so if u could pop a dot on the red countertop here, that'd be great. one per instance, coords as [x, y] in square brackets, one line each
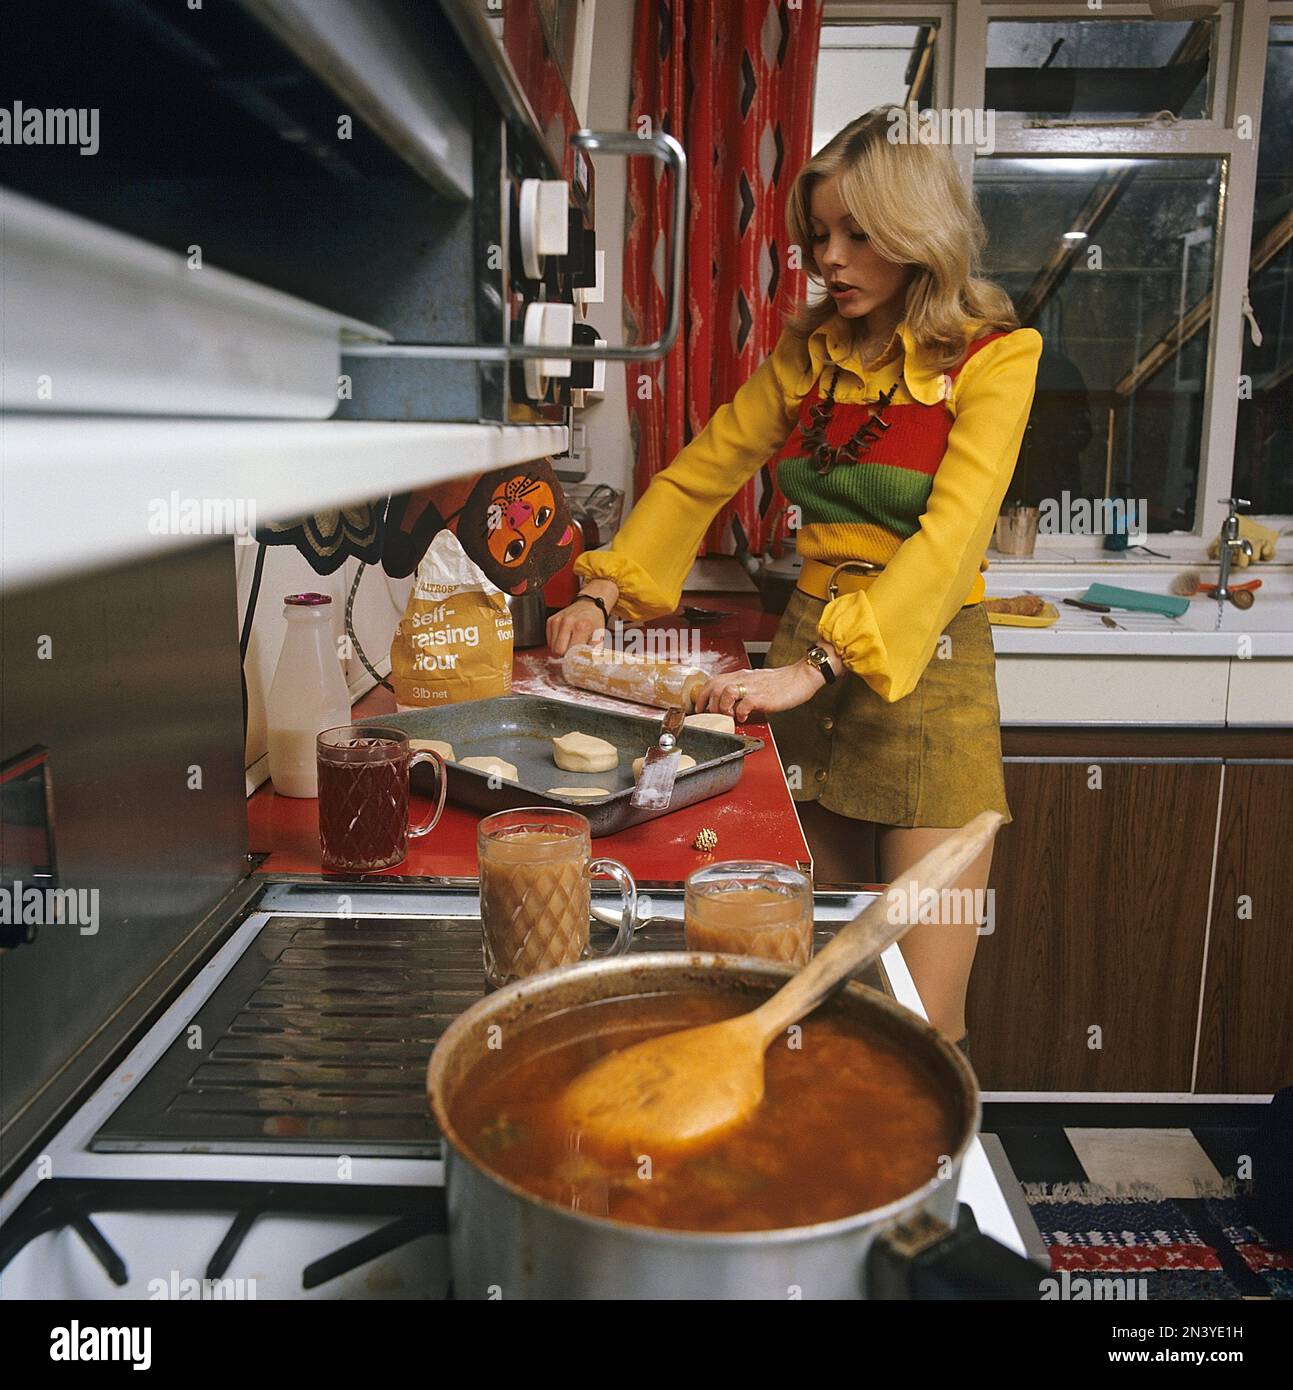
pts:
[755, 820]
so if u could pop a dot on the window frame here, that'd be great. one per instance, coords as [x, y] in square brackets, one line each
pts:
[843, 12]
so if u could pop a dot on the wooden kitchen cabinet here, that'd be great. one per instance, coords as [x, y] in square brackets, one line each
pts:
[1246, 1034]
[1090, 980]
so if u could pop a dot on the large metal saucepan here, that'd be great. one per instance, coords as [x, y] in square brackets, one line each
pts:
[505, 1242]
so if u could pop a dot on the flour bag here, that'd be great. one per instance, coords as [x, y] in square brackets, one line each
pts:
[454, 641]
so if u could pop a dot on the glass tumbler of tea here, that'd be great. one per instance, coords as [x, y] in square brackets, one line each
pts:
[536, 870]
[745, 907]
[364, 797]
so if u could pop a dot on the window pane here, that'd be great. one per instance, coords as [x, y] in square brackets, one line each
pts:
[1264, 442]
[1105, 68]
[861, 66]
[1111, 260]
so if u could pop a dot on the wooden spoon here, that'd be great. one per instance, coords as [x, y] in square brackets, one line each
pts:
[682, 1091]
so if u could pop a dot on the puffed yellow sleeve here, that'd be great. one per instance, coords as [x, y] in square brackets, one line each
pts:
[652, 552]
[887, 633]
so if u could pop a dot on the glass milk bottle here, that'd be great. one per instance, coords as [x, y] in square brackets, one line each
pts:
[308, 694]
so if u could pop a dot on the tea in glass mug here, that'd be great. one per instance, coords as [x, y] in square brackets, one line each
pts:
[536, 867]
[364, 797]
[750, 908]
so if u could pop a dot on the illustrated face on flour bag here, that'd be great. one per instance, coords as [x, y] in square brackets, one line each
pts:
[514, 523]
[454, 641]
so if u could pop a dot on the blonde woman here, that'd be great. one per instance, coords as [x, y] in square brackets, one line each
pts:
[894, 409]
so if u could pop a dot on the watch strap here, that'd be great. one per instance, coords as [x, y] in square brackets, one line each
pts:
[592, 598]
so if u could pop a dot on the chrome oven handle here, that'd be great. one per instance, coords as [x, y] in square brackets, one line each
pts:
[667, 151]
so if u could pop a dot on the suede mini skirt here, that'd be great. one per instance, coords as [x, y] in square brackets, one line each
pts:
[932, 758]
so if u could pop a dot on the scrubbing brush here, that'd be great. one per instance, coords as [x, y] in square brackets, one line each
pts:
[1189, 583]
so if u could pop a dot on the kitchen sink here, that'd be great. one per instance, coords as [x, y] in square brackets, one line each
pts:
[1206, 628]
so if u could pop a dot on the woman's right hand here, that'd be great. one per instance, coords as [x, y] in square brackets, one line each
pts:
[581, 621]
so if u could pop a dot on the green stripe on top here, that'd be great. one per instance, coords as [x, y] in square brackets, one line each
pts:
[874, 493]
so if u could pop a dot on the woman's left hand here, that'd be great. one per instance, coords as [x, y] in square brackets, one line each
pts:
[774, 688]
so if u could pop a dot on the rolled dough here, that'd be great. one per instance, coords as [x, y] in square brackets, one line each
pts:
[576, 752]
[436, 745]
[683, 763]
[720, 723]
[487, 765]
[578, 791]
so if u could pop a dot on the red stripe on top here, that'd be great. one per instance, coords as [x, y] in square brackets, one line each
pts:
[973, 348]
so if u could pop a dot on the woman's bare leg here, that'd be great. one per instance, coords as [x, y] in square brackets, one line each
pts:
[843, 849]
[938, 954]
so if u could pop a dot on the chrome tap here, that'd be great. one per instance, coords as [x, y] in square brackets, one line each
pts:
[1230, 542]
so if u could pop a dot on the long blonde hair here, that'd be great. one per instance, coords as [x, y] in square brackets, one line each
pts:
[910, 200]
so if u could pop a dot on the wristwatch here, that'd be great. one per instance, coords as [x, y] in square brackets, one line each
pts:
[819, 659]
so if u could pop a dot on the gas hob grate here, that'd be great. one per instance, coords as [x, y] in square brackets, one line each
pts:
[315, 1042]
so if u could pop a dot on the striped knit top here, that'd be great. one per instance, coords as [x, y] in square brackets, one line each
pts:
[921, 499]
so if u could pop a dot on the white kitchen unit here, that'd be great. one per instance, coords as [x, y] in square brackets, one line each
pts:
[1215, 665]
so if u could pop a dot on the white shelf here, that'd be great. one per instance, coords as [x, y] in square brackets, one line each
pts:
[98, 322]
[77, 492]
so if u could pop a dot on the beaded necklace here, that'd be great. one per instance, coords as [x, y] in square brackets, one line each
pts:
[825, 457]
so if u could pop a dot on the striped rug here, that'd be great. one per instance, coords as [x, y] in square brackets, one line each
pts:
[1139, 1244]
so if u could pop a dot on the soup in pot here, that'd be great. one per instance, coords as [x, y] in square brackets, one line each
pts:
[849, 1122]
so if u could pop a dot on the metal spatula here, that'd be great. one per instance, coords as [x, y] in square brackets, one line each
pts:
[654, 790]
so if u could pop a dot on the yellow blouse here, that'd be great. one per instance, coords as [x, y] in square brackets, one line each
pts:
[887, 632]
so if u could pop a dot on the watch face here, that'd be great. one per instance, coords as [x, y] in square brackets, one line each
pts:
[820, 661]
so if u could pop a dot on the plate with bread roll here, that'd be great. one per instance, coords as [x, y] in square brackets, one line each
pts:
[1021, 610]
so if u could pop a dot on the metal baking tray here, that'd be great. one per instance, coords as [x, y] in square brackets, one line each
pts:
[520, 728]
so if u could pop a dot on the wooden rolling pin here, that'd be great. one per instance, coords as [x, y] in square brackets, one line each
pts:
[648, 680]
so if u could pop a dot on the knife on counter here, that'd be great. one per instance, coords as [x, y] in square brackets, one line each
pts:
[654, 790]
[1082, 603]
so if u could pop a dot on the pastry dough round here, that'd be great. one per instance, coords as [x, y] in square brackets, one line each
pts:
[578, 791]
[436, 745]
[720, 723]
[684, 762]
[487, 765]
[576, 752]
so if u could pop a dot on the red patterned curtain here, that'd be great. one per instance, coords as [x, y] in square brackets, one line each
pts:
[732, 81]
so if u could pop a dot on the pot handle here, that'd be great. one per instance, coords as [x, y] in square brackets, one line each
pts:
[924, 1259]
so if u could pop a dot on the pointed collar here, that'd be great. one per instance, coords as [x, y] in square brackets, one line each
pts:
[924, 382]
